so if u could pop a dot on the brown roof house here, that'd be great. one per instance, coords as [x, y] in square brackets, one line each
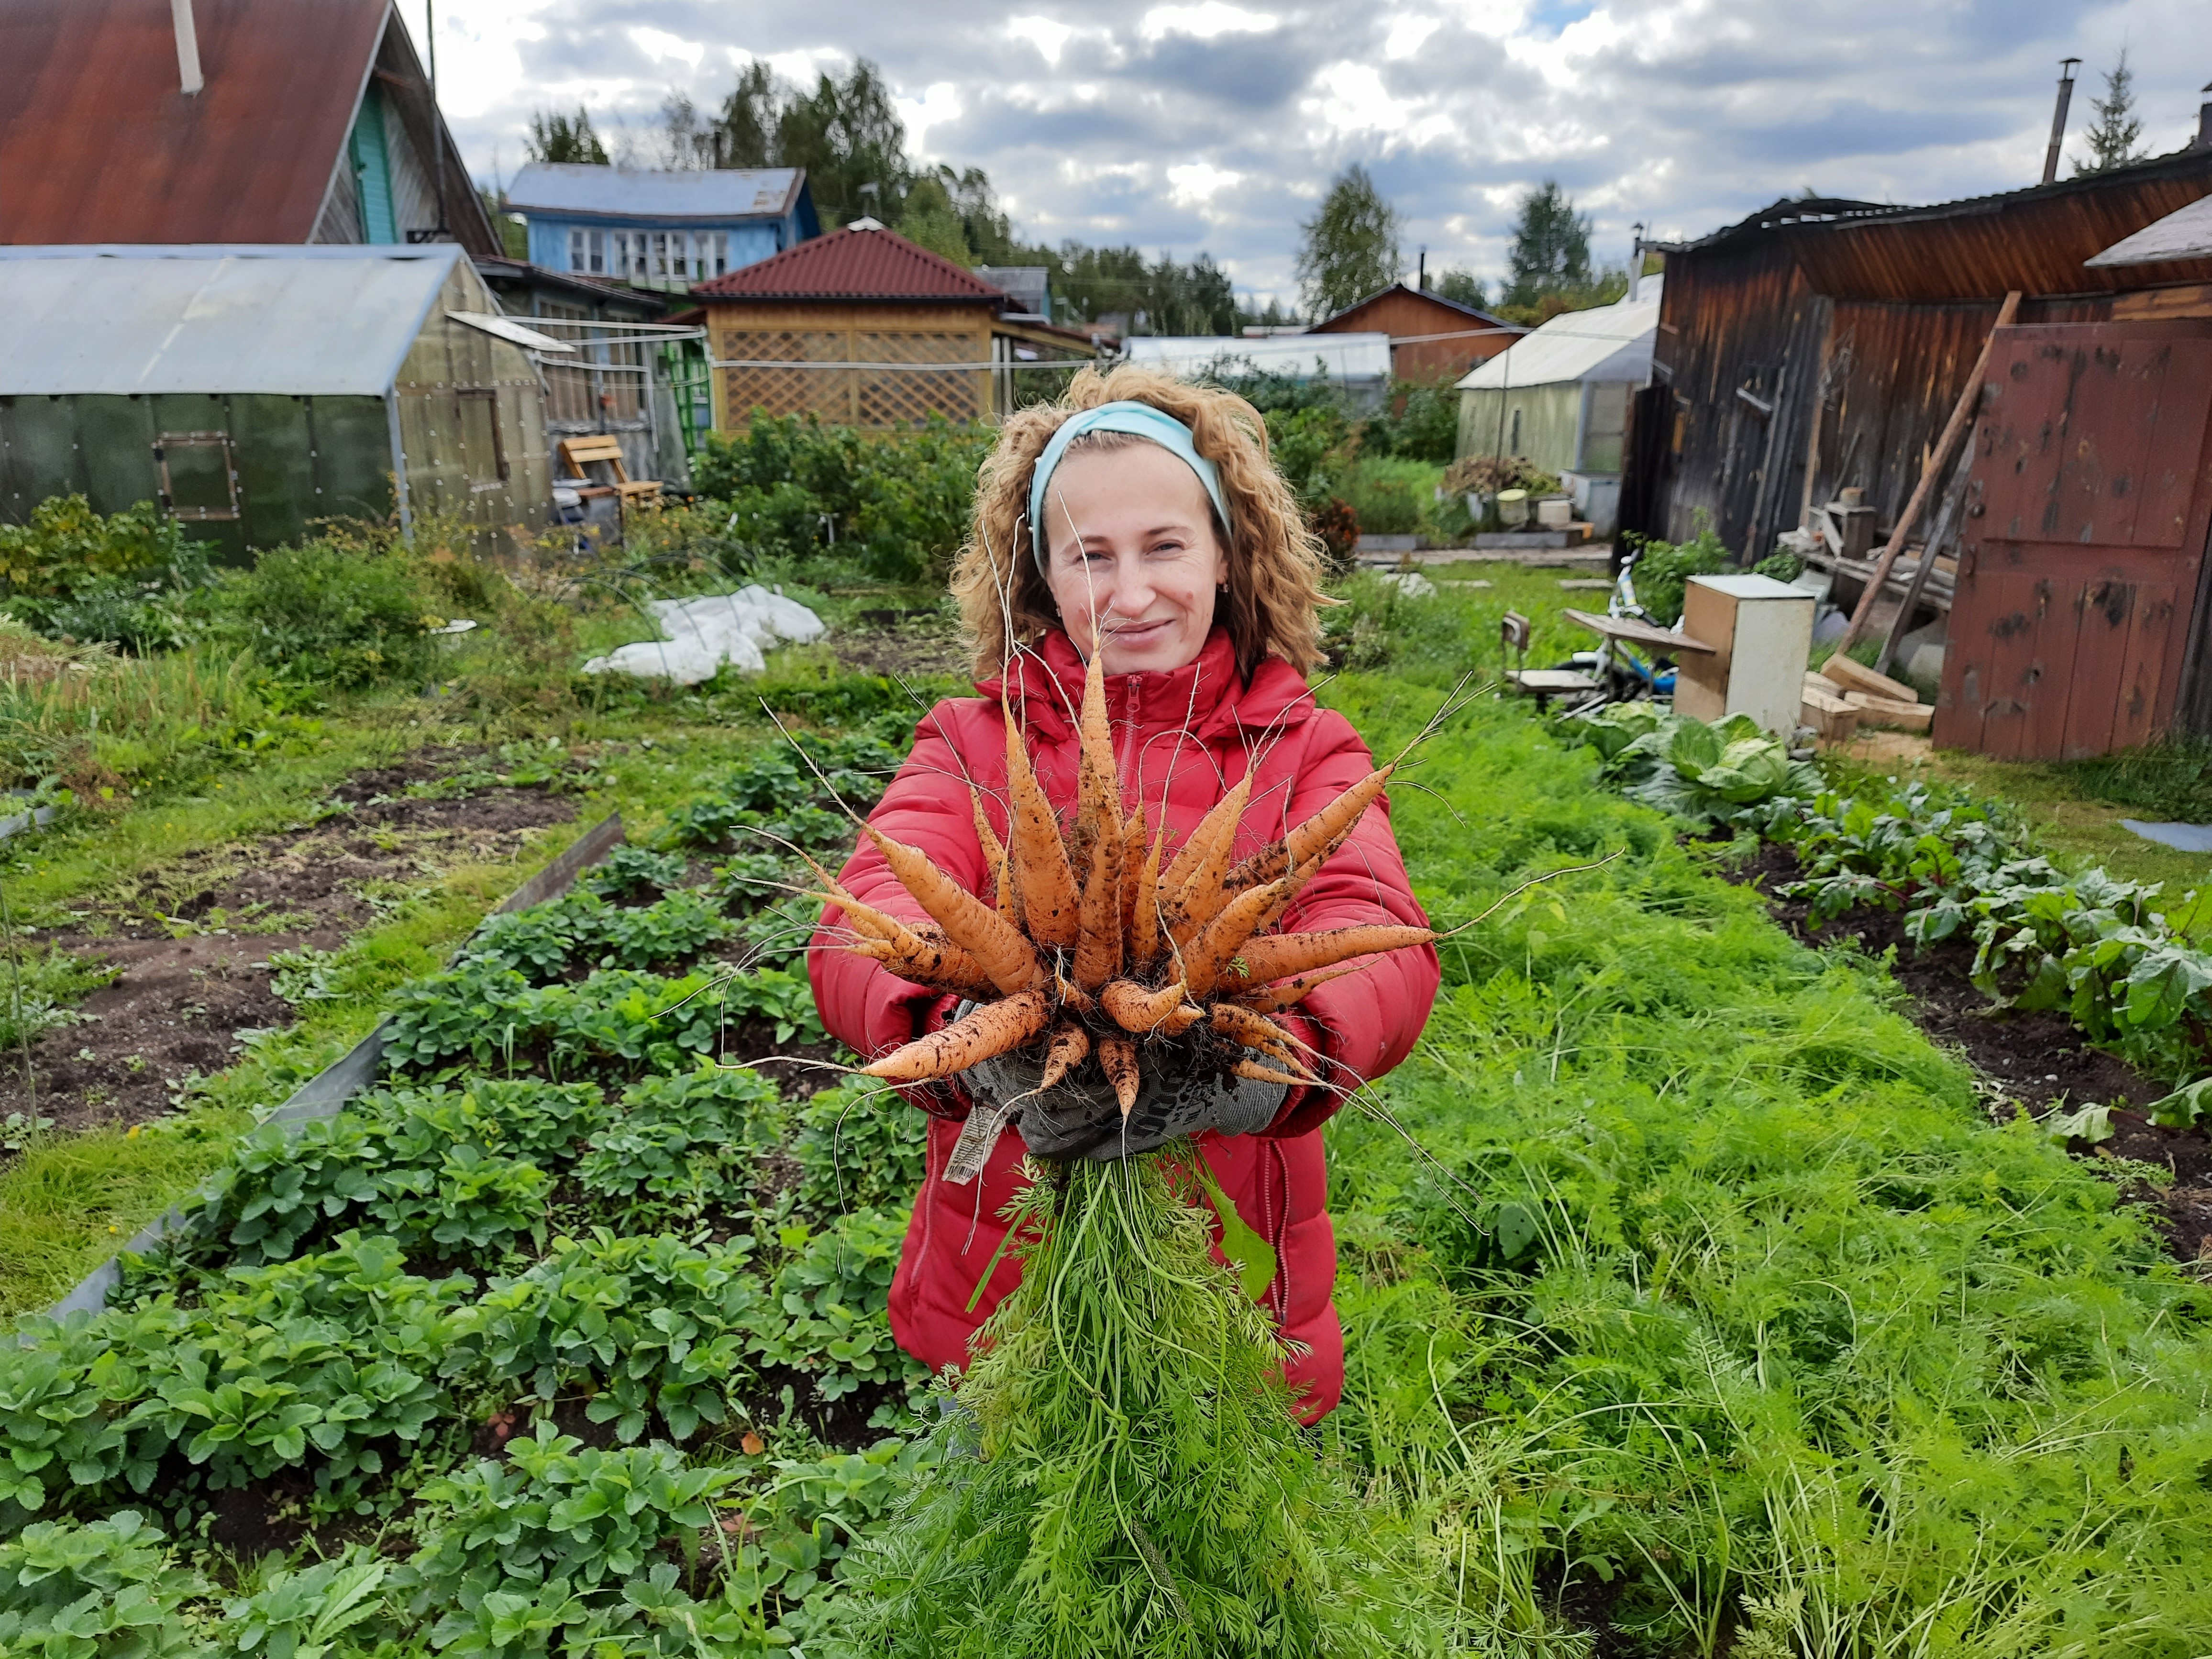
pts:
[862, 327]
[1431, 338]
[224, 121]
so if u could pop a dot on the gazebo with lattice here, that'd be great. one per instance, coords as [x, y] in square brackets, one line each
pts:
[864, 328]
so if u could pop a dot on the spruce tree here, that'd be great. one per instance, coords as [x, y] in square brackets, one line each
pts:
[2114, 136]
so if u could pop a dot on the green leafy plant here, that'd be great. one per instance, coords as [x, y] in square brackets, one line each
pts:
[644, 1325]
[106, 1589]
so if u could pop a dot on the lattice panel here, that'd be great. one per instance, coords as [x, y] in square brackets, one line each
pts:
[904, 398]
[791, 391]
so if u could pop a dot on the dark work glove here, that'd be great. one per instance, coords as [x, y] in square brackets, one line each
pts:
[1083, 1119]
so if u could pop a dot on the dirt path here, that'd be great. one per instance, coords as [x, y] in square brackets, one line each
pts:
[2039, 1060]
[194, 938]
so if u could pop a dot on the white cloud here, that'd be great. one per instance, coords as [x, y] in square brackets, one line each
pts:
[1407, 35]
[1196, 183]
[1048, 36]
[1207, 21]
[1352, 97]
[659, 43]
[1184, 124]
[939, 102]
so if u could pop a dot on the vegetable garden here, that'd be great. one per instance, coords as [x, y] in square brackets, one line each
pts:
[1695, 1301]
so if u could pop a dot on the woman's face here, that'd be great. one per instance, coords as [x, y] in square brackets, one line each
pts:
[1133, 549]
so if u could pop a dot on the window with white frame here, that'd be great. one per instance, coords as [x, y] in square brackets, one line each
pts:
[587, 251]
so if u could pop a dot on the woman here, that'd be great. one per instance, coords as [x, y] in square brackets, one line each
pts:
[1139, 516]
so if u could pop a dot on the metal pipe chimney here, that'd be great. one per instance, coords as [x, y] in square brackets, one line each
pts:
[2058, 118]
[188, 47]
[2204, 123]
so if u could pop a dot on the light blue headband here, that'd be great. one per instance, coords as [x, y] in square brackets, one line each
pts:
[1138, 421]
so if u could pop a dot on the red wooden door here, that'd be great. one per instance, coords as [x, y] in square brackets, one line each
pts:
[2087, 514]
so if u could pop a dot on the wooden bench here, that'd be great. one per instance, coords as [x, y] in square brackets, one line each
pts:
[1542, 684]
[578, 455]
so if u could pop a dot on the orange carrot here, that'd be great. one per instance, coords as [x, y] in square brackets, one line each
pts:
[1259, 1074]
[1144, 930]
[1279, 955]
[994, 858]
[1004, 955]
[1288, 992]
[1097, 797]
[1099, 936]
[1253, 1030]
[1317, 838]
[984, 1034]
[1071, 1045]
[1132, 870]
[1215, 833]
[1208, 955]
[1136, 1009]
[942, 967]
[1037, 866]
[1117, 1057]
[1097, 839]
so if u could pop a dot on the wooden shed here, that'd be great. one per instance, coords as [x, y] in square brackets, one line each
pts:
[863, 328]
[1431, 338]
[254, 390]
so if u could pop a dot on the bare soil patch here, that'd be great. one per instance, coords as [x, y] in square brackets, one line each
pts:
[194, 937]
[910, 644]
[2040, 1058]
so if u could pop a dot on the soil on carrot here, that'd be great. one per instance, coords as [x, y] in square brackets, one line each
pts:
[193, 938]
[2040, 1059]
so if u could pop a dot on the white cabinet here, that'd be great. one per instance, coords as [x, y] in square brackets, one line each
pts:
[1761, 632]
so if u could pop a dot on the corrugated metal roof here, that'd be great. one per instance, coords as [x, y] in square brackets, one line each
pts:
[2040, 240]
[2185, 233]
[641, 193]
[295, 321]
[1303, 356]
[852, 264]
[98, 143]
[1606, 343]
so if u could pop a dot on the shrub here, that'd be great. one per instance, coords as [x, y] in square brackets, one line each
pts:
[331, 613]
[1663, 570]
[1387, 497]
[67, 548]
[1419, 422]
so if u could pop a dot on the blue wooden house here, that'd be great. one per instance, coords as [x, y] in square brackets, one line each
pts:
[664, 230]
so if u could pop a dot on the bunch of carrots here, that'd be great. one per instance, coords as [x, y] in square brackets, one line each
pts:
[1103, 953]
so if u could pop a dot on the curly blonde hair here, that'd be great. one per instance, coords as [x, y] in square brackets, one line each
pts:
[1274, 598]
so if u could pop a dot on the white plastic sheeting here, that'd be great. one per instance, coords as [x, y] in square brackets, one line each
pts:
[703, 635]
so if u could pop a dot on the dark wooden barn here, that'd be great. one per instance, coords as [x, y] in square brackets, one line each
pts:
[1821, 346]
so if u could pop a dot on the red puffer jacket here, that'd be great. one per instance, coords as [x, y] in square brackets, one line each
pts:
[1182, 740]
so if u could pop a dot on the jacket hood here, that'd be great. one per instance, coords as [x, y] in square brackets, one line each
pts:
[1043, 687]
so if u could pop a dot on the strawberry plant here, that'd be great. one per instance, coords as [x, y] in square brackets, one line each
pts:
[103, 1590]
[643, 1325]
[679, 1146]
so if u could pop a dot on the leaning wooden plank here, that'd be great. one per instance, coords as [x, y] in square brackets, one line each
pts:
[1857, 676]
[1816, 681]
[1886, 711]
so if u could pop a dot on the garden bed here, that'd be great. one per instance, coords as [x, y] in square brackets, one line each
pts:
[208, 950]
[2036, 1059]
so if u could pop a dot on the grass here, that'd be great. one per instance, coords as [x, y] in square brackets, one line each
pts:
[1737, 1312]
[1730, 1322]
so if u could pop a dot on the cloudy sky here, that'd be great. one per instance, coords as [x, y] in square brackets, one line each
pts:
[1217, 124]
